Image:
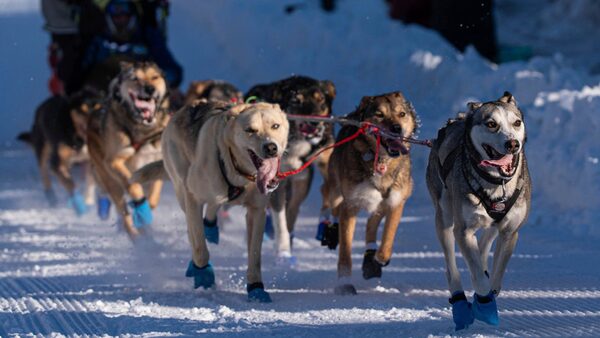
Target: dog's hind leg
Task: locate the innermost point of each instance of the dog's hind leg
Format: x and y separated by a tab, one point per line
153	194
193	217
504	249
277	201
58	163
43	153
298	189
370	267
485	245
372	227
90	183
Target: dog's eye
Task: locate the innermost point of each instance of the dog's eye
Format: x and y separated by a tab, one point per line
154	78
275	126
492	125
251	130
378	114
402	114
517	123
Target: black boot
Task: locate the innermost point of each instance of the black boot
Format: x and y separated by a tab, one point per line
371	268
331	236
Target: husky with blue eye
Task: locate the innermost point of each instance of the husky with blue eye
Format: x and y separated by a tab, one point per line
478	180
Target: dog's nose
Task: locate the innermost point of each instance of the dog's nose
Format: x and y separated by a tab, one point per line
270	149
396	129
149	89
512	146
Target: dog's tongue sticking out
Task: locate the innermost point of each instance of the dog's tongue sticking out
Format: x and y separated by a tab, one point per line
267	171
147	108
504	163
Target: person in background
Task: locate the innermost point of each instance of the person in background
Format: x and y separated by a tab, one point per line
132	31
66	47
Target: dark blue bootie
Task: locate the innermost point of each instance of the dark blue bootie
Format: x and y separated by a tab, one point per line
257	293
485	309
461	311
203	277
211	231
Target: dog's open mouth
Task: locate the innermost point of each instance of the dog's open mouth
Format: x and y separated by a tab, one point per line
394	147
145	104
311	132
266	172
506	163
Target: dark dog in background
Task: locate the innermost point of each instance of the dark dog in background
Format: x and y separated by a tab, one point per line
211	91
298	95
58	138
376	178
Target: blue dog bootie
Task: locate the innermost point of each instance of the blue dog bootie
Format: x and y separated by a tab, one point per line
203	277
77	202
462	313
103	207
142	214
485	308
257	293
211	231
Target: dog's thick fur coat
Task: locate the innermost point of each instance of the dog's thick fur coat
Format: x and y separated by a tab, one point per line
210	148
354	184
477	163
299	95
125	135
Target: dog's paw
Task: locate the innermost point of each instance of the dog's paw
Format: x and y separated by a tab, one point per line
203	277
345	290
257	293
331	236
462	313
211	231
485	308
77	202
371	268
142	214
103	207
321	229
51	197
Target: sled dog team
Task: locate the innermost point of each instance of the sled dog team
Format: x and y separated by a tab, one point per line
220	149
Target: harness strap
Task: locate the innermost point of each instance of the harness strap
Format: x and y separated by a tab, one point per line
233	191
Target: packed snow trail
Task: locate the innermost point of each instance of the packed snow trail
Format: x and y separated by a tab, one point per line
72	276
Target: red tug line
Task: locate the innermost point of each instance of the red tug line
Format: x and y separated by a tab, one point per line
363	129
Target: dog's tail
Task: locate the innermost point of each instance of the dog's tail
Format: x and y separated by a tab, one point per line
25	137
150	172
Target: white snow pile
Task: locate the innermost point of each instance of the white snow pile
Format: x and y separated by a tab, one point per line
365	53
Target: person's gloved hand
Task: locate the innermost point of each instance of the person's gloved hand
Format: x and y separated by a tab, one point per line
142	214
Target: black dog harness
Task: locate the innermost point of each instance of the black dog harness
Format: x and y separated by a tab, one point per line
498	209
233	191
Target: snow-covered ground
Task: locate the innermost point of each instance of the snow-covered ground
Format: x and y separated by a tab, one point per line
62	275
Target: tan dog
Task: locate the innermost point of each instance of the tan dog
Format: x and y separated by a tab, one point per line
382	188
58	137
218	154
126	135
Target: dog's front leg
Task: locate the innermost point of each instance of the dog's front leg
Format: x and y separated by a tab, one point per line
154	193
255	222
90	184
485	245
392	220
504	249
465	237
134	189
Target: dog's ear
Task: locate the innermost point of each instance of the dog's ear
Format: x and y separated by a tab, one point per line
359	113
329	88
508	98
473	106
125	66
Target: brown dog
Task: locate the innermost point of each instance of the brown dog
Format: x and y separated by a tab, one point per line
211	91
357	182
58	137
298	95
125	135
